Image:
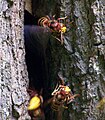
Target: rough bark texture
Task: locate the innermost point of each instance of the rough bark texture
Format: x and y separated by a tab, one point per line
85	71
28	5
81	59
13	74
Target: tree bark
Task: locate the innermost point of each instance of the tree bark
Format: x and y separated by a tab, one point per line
28	5
85	66
13	72
82	57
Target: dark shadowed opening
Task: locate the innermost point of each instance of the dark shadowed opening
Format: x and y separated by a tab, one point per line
36	43
41	50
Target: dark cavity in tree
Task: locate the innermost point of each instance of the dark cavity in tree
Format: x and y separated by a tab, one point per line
36	43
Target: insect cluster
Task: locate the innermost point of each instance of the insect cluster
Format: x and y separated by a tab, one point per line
61	97
62	94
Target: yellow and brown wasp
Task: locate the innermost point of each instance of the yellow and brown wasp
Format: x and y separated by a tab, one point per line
56	26
35	108
62	95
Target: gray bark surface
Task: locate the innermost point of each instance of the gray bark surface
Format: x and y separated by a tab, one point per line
85	67
13	73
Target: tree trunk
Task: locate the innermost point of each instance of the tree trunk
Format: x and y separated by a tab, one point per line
81	59
13	73
85	65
